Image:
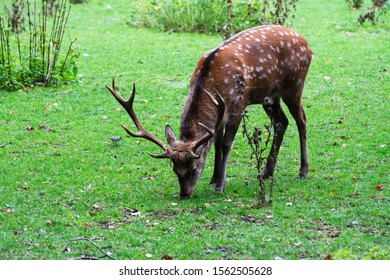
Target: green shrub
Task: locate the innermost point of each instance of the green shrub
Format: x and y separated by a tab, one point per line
33	54
355	4
225	17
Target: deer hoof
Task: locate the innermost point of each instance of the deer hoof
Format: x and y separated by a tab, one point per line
302	176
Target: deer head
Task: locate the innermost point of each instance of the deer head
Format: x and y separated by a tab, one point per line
188	157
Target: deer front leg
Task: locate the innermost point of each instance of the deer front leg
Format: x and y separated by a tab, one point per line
218	157
228	137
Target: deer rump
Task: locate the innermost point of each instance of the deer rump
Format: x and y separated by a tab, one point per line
262	65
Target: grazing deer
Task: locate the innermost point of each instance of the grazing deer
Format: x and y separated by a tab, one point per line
260	65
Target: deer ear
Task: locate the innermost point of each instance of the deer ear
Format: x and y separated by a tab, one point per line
171	138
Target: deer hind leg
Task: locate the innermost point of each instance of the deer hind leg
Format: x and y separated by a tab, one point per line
279	123
296	109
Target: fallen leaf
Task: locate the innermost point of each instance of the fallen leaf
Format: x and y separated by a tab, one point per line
29	128
9	210
167	257
25	187
49	223
353	224
131	212
329	257
332	192
379	187
289	203
166	117
149	256
67	250
96	207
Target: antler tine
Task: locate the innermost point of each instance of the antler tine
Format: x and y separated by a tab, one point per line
142	133
204	139
219	103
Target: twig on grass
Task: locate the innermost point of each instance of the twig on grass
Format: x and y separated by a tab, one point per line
84	257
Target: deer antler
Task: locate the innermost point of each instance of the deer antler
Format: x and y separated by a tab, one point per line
142	133
220	104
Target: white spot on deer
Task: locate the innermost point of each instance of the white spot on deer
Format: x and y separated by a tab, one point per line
231	91
263	36
269	56
281	33
282	44
226	81
288	44
248	46
257	40
259	69
263	76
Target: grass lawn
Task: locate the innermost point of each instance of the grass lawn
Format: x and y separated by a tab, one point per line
64	184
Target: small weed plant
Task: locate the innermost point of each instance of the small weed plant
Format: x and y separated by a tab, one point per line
258	141
31	45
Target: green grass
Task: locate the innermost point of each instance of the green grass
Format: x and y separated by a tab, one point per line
71	183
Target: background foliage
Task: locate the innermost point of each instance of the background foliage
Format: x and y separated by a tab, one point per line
225	17
31	50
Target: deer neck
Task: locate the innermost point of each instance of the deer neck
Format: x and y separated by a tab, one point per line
198	107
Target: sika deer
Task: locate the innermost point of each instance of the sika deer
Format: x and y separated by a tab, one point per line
260	65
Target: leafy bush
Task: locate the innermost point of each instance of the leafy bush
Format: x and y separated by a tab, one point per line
226	17
356	4
32	54
379	8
